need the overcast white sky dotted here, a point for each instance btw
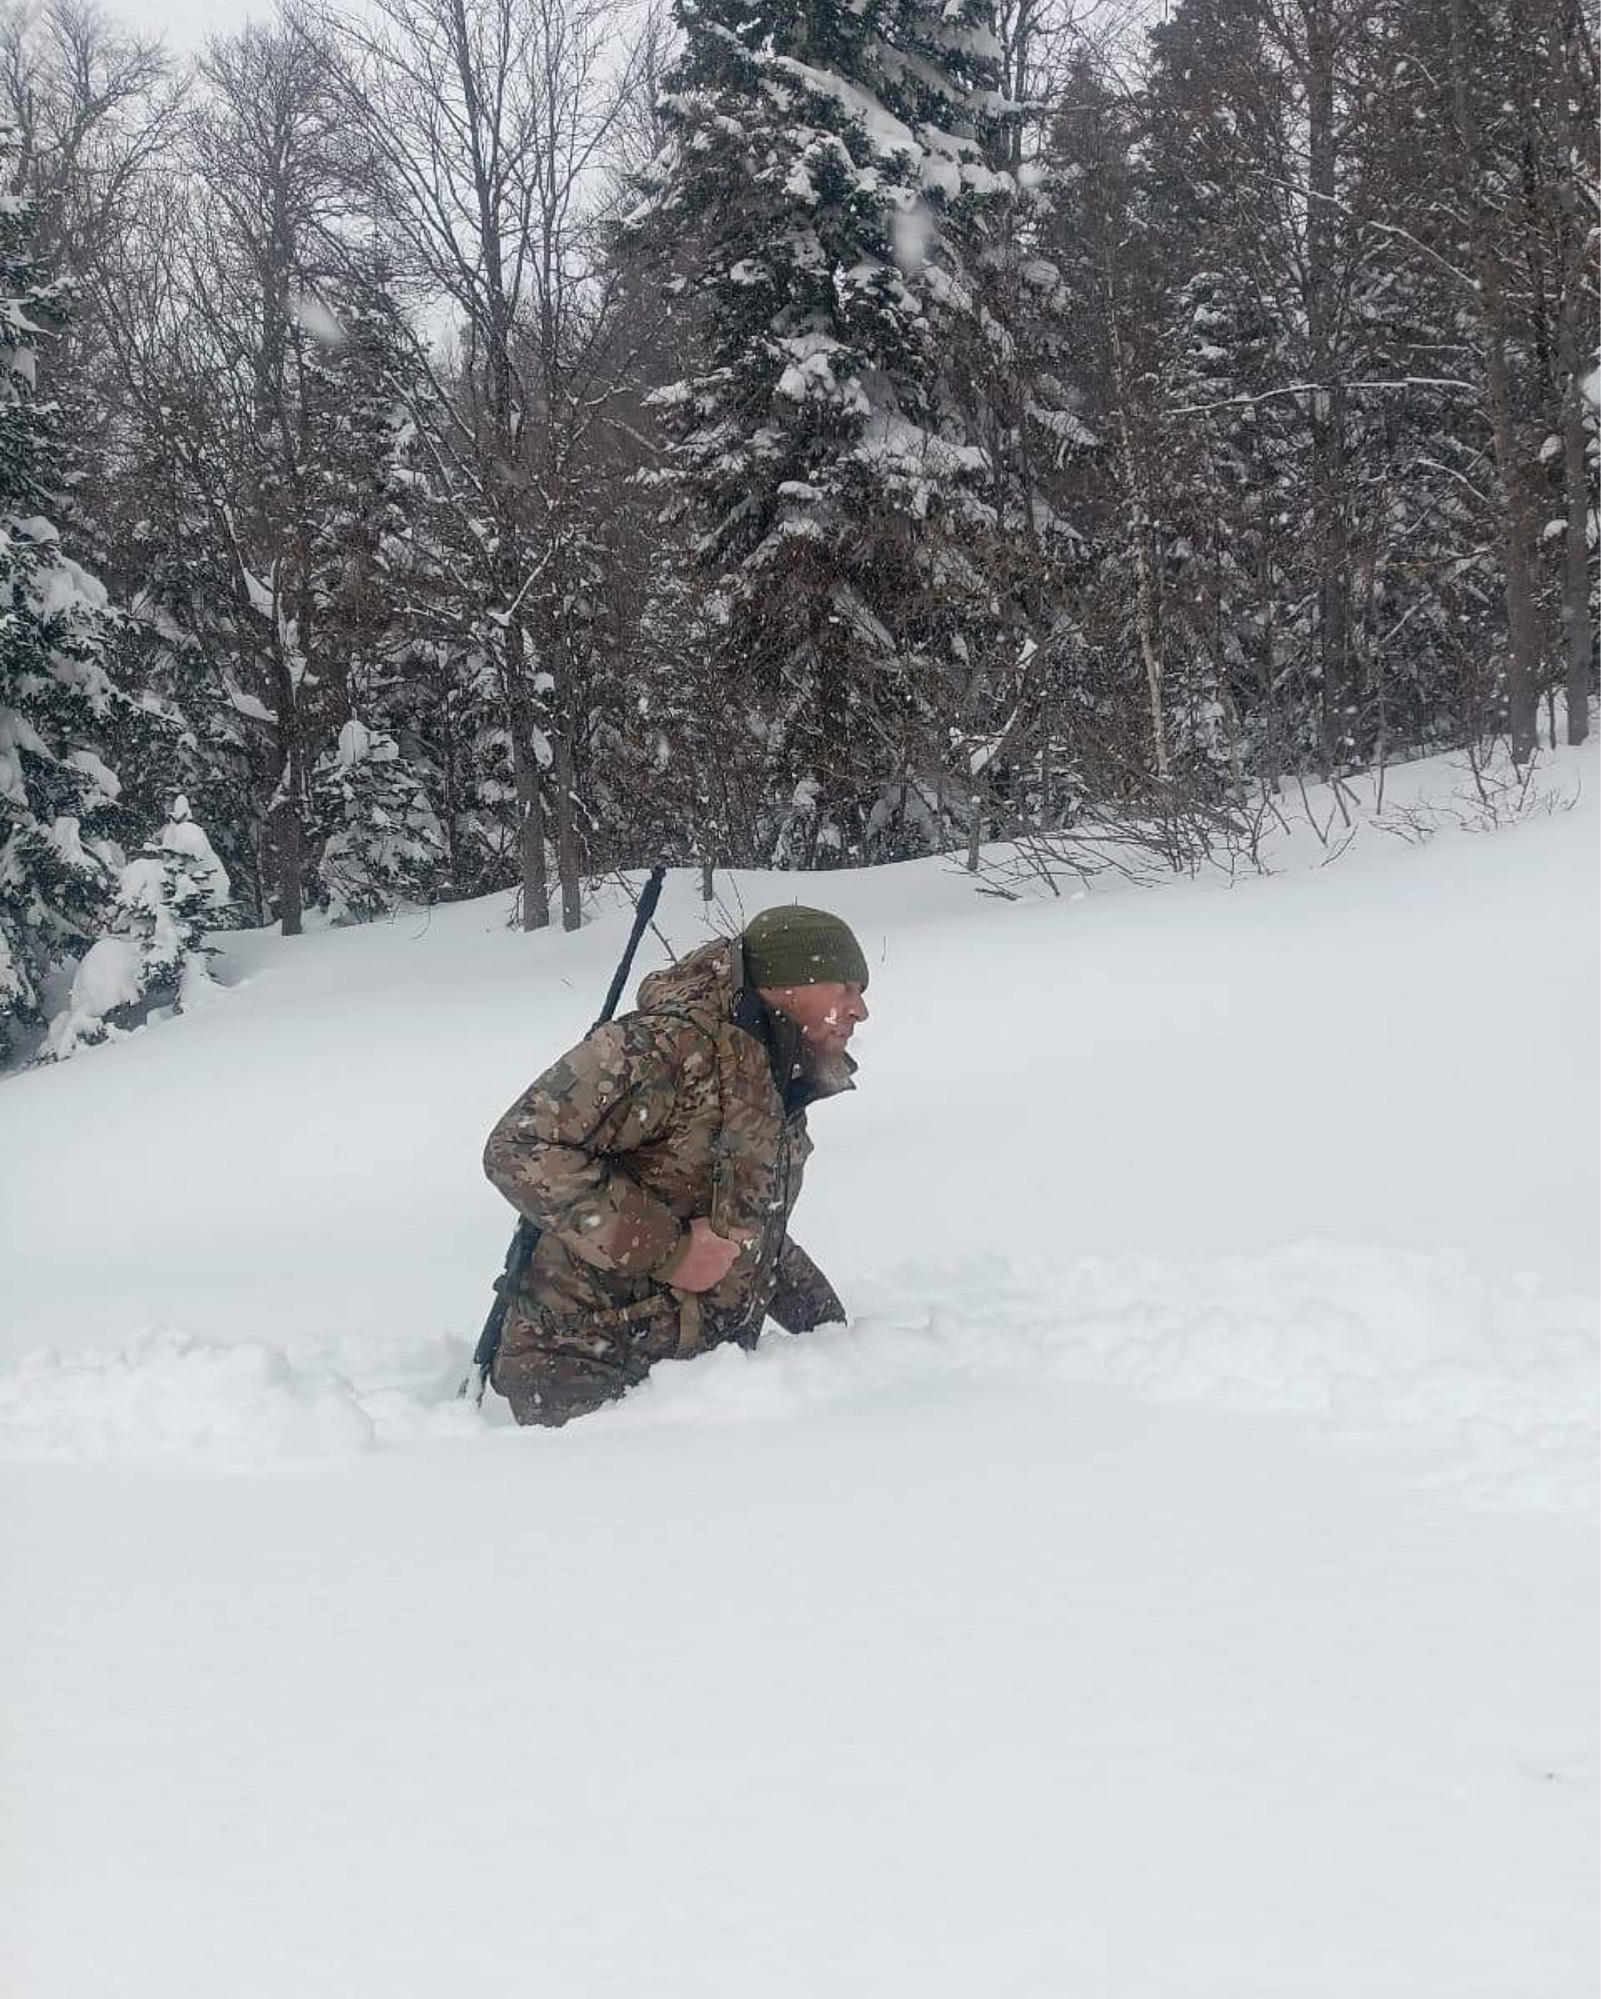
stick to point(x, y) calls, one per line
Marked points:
point(185, 24)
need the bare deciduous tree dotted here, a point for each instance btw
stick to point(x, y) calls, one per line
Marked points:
point(489, 127)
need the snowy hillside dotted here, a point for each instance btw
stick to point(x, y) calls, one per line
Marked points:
point(1179, 1579)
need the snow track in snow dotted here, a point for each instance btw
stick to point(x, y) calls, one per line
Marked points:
point(166, 1393)
point(1488, 1383)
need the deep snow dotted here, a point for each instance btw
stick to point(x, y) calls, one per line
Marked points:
point(1179, 1578)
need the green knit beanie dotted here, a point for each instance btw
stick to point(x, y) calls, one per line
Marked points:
point(792, 946)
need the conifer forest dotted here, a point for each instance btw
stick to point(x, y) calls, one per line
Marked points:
point(464, 445)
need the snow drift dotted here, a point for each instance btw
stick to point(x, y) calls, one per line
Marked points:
point(1177, 1580)
point(1487, 1386)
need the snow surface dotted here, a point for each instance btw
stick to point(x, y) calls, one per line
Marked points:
point(1179, 1578)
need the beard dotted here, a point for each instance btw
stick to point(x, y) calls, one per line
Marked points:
point(827, 1070)
point(830, 1069)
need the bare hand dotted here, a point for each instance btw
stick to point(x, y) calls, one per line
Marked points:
point(708, 1259)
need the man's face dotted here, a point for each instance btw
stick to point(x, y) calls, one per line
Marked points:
point(827, 1015)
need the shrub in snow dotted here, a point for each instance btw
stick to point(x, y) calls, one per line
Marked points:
point(382, 841)
point(154, 953)
point(804, 835)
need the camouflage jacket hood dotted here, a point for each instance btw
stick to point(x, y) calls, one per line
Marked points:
point(705, 985)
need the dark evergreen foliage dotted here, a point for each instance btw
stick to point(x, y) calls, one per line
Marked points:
point(790, 451)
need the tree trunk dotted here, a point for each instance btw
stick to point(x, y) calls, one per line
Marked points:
point(290, 848)
point(567, 854)
point(535, 888)
point(1523, 665)
point(450, 806)
point(1147, 616)
point(288, 810)
point(1575, 313)
point(1577, 625)
point(289, 839)
point(1328, 501)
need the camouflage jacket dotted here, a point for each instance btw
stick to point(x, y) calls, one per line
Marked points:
point(673, 1111)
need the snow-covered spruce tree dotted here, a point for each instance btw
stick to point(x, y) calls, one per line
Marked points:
point(171, 651)
point(373, 817)
point(1240, 569)
point(685, 752)
point(361, 487)
point(201, 735)
point(386, 845)
point(477, 768)
point(844, 490)
point(57, 794)
point(465, 721)
point(1219, 524)
point(1142, 709)
point(1484, 144)
point(154, 951)
point(1331, 517)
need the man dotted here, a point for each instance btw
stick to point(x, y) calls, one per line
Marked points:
point(661, 1158)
